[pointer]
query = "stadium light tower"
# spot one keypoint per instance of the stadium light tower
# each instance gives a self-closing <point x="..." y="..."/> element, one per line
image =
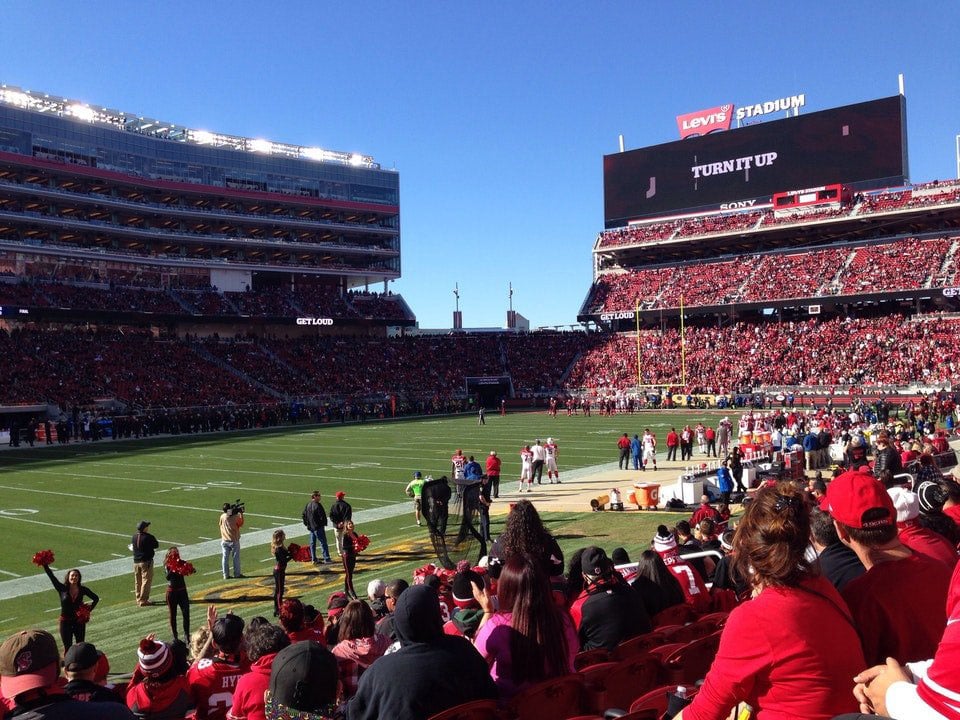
<point x="457" y="316"/>
<point x="958" y="157"/>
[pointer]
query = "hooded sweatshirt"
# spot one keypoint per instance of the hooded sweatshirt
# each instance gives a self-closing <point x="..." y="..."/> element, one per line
<point x="430" y="673"/>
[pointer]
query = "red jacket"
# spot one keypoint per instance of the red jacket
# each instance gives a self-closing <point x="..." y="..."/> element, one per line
<point x="924" y="541"/>
<point x="672" y="439"/>
<point x="789" y="653"/>
<point x="248" y="695"/>
<point x="493" y="465"/>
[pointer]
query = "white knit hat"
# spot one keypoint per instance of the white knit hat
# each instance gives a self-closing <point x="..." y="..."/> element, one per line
<point x="906" y="503"/>
<point x="664" y="542"/>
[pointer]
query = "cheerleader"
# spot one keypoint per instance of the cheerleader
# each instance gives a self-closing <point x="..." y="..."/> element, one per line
<point x="349" y="557"/>
<point x="177" y="597"/>
<point x="281" y="557"/>
<point x="73" y="613"/>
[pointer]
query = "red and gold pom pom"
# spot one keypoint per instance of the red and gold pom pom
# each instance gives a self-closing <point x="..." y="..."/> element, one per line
<point x="299" y="553"/>
<point x="361" y="543"/>
<point x="83" y="614"/>
<point x="178" y="565"/>
<point x="43" y="558"/>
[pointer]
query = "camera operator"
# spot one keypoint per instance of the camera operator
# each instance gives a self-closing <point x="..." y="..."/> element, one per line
<point x="231" y="521"/>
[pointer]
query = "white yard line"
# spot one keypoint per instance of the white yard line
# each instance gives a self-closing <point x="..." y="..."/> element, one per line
<point x="20" y="587"/>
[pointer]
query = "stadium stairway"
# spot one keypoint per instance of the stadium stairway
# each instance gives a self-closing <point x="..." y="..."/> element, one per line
<point x="202" y="352"/>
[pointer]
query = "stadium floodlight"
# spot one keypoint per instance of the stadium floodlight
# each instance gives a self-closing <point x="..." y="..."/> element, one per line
<point x="82" y="112"/>
<point x="314" y="153"/>
<point x="356" y="159"/>
<point x="16" y="98"/>
<point x="261" y="146"/>
<point x="202" y="137"/>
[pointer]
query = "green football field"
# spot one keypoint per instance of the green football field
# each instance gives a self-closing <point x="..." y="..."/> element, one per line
<point x="84" y="502"/>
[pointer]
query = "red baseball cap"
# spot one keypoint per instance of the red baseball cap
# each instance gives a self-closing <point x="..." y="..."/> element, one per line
<point x="851" y="495"/>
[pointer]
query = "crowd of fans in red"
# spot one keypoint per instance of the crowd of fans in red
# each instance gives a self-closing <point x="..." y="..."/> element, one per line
<point x="644" y="234"/>
<point x="76" y="367"/>
<point x="898" y="265"/>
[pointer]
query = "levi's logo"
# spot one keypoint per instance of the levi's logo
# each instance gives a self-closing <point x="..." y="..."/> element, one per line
<point x="705" y="121"/>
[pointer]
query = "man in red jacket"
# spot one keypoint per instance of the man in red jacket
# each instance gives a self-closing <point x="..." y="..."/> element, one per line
<point x="673" y="442"/>
<point x="493" y="473"/>
<point x="624" y="444"/>
<point x="262" y="644"/>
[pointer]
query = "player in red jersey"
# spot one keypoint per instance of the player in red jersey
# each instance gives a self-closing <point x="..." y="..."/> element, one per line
<point x="213" y="680"/>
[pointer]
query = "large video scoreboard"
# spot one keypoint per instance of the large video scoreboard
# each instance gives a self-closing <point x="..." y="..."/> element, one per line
<point x="862" y="146"/>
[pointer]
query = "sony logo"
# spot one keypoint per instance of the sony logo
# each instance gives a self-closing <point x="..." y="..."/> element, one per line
<point x="738" y="204"/>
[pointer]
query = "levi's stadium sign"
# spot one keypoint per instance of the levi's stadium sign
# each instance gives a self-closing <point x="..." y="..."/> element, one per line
<point x="711" y="120"/>
<point x="705" y="121"/>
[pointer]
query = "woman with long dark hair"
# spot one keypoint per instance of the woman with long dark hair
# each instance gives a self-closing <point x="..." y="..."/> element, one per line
<point x="658" y="587"/>
<point x="529" y="638"/>
<point x="768" y="656"/>
<point x="177" y="596"/>
<point x="349" y="557"/>
<point x="73" y="613"/>
<point x="524" y="534"/>
<point x="359" y="644"/>
<point x="281" y="557"/>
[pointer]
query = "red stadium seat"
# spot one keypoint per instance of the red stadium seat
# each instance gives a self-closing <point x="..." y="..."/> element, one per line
<point x="558" y="698"/>
<point x="616" y="685"/>
<point x="676" y="615"/>
<point x="590" y="657"/>
<point x="638" y="645"/>
<point x="690" y="663"/>
<point x="476" y="710"/>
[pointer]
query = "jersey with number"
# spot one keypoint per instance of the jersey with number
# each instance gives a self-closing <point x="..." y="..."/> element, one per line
<point x="694" y="589"/>
<point x="551" y="450"/>
<point x="212" y="682"/>
<point x="526" y="459"/>
<point x="649" y="443"/>
<point x="459" y="462"/>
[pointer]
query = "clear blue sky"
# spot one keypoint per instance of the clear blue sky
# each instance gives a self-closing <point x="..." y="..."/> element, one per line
<point x="496" y="114"/>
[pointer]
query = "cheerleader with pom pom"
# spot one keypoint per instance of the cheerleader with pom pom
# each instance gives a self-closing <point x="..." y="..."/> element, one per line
<point x="281" y="556"/>
<point x="74" y="613"/>
<point x="352" y="544"/>
<point x="177" y="571"/>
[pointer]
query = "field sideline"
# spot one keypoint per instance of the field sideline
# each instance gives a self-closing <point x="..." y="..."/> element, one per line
<point x="84" y="501"/>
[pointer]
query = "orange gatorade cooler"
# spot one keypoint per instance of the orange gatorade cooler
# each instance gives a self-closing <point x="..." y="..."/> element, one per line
<point x="648" y="495"/>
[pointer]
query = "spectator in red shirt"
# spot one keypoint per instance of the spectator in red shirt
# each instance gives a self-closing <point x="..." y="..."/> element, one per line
<point x="769" y="657"/>
<point x="919" y="539"/>
<point x="893" y="619"/>
<point x="493" y="473"/>
<point x="262" y="643"/>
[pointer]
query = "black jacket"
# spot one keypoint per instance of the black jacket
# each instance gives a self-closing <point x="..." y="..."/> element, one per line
<point x="839" y="564"/>
<point x="314" y="516"/>
<point x="430" y="673"/>
<point x="144" y="547"/>
<point x="340" y="512"/>
<point x="611" y="613"/>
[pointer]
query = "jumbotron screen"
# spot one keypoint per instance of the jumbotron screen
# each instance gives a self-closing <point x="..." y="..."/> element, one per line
<point x="862" y="146"/>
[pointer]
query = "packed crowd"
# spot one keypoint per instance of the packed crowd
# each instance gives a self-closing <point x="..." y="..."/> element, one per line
<point x="812" y="273"/>
<point x="886" y="201"/>
<point x="841" y="351"/>
<point x="77" y="367"/>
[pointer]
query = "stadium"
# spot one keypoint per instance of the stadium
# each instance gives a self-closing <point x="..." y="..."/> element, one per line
<point x="186" y="316"/>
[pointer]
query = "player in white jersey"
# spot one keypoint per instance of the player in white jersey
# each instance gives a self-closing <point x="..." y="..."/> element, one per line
<point x="551" y="451"/>
<point x="526" y="468"/>
<point x="649" y="443"/>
